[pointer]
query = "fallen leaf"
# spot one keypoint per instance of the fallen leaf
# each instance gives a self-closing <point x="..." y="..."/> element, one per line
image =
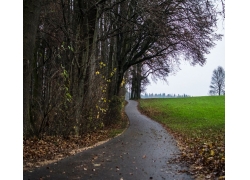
<point x="212" y="152"/>
<point x="222" y="177"/>
<point x="96" y="165"/>
<point x="208" y="176"/>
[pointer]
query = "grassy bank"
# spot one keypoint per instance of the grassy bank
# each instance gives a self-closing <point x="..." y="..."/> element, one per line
<point x="198" y="124"/>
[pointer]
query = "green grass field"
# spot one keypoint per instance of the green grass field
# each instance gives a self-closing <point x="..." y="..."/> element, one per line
<point x="195" y="116"/>
<point x="198" y="123"/>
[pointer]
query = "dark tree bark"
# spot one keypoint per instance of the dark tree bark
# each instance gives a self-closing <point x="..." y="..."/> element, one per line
<point x="31" y="13"/>
<point x="84" y="48"/>
<point x="136" y="81"/>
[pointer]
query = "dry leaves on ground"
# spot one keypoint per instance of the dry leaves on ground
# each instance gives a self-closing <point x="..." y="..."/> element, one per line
<point x="49" y="149"/>
<point x="37" y="152"/>
<point x="205" y="157"/>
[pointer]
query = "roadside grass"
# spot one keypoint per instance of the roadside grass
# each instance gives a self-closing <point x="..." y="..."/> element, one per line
<point x="121" y="125"/>
<point x="114" y="132"/>
<point x="198" y="124"/>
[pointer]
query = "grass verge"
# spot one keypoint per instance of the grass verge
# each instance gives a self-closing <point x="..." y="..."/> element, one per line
<point x="198" y="125"/>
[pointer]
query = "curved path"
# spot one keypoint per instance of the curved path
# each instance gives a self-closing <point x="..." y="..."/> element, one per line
<point x="141" y="152"/>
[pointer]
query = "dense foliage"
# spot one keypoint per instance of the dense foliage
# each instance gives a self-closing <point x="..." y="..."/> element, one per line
<point x="79" y="54"/>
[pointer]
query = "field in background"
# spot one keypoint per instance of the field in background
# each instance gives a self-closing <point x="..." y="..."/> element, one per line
<point x="198" y="124"/>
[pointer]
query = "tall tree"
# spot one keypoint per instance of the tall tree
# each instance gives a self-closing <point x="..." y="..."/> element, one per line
<point x="218" y="82"/>
<point x="31" y="12"/>
<point x="75" y="67"/>
<point x="174" y="30"/>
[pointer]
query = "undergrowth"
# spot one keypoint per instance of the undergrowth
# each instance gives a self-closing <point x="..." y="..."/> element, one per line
<point x="50" y="149"/>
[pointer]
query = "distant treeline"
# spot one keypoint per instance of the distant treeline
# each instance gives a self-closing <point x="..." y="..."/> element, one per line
<point x="163" y="95"/>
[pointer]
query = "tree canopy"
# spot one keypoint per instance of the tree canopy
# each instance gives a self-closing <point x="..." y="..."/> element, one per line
<point x="218" y="82"/>
<point x="78" y="55"/>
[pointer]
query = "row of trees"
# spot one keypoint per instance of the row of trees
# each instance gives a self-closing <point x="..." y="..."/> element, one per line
<point x="79" y="54"/>
<point x="163" y="95"/>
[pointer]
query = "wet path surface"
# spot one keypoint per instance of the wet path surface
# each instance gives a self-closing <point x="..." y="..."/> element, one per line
<point x="141" y="152"/>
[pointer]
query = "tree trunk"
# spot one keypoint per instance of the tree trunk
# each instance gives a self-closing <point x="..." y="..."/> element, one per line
<point x="30" y="23"/>
<point x="136" y="82"/>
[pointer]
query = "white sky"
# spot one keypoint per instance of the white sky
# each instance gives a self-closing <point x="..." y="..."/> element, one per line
<point x="193" y="80"/>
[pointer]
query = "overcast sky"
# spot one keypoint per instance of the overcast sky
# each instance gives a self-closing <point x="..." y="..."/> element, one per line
<point x="193" y="80"/>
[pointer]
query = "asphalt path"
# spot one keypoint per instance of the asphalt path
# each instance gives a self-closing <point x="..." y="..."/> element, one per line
<point x="142" y="152"/>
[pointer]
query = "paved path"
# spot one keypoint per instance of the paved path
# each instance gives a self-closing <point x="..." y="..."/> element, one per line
<point x="140" y="153"/>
